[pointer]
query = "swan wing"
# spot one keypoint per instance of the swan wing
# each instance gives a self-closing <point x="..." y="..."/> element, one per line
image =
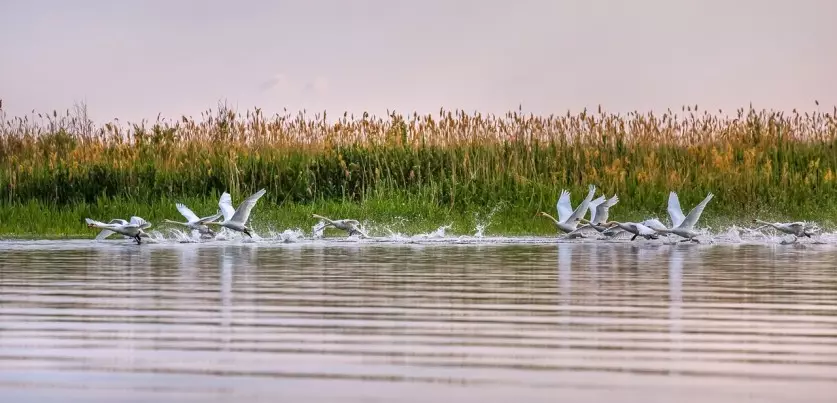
<point x="243" y="212"/>
<point x="644" y="230"/>
<point x="104" y="234"/>
<point x="603" y="210"/>
<point x="139" y="222"/>
<point x="654" y="224"/>
<point x="674" y="210"/>
<point x="118" y="221"/>
<point x="594" y="211"/>
<point x="581" y="210"/>
<point x="225" y="204"/>
<point x="187" y="212"/>
<point x="694" y="215"/>
<point x="210" y="218"/>
<point x="565" y="209"/>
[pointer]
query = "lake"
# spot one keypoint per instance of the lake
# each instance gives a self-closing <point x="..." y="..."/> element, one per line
<point x="325" y="321"/>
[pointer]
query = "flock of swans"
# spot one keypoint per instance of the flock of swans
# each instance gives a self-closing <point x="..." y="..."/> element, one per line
<point x="234" y="219"/>
<point x="570" y="221"/>
<point x="681" y="225"/>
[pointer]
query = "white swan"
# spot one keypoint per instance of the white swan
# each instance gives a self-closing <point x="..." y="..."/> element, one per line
<point x="638" y="229"/>
<point x="567" y="218"/>
<point x="350" y="226"/>
<point x="236" y="219"/>
<point x="132" y="229"/>
<point x="599" y="213"/>
<point x="796" y="229"/>
<point x="193" y="221"/>
<point x="654" y="224"/>
<point x="683" y="225"/>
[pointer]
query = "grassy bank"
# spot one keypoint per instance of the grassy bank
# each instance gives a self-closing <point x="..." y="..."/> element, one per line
<point x="415" y="173"/>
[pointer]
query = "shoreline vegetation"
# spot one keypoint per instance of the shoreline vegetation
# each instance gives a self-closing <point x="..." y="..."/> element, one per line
<point x="415" y="173"/>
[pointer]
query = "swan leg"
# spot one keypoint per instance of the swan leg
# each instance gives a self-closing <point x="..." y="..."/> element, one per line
<point x="634" y="237"/>
<point x="138" y="239"/>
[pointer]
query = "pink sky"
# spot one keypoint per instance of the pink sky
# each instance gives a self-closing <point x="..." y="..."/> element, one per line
<point x="133" y="60"/>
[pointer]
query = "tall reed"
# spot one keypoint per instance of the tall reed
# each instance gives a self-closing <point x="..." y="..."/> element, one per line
<point x="754" y="161"/>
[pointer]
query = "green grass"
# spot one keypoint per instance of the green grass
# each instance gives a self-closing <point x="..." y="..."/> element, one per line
<point x="413" y="174"/>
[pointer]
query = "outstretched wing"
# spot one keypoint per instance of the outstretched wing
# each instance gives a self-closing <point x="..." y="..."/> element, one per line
<point x="644" y="230"/>
<point x="225" y="203"/>
<point x="139" y="222"/>
<point x="603" y="210"/>
<point x="565" y="209"/>
<point x="654" y="224"/>
<point x="118" y="221"/>
<point x="674" y="211"/>
<point x="594" y="213"/>
<point x="104" y="234"/>
<point x="243" y="212"/>
<point x="210" y="218"/>
<point x="581" y="210"/>
<point x="694" y="215"/>
<point x="187" y="212"/>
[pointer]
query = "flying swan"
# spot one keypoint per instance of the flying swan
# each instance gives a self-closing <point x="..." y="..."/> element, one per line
<point x="796" y="229"/>
<point x="567" y="218"/>
<point x="236" y="219"/>
<point x="131" y="229"/>
<point x="683" y="225"/>
<point x="193" y="221"/>
<point x="599" y="213"/>
<point x="638" y="229"/>
<point x="350" y="226"/>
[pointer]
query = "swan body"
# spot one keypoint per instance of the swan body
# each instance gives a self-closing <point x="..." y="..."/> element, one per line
<point x="796" y="229"/>
<point x="568" y="218"/>
<point x="236" y="219"/>
<point x="683" y="225"/>
<point x="132" y="229"/>
<point x="638" y="229"/>
<point x="193" y="221"/>
<point x="350" y="226"/>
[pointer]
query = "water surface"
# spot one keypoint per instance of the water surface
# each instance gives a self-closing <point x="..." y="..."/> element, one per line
<point x="325" y="322"/>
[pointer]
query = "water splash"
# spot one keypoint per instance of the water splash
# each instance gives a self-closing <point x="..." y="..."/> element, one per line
<point x="291" y="236"/>
<point x="482" y="224"/>
<point x="318" y="229"/>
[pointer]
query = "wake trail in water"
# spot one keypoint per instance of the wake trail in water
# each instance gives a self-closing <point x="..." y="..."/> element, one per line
<point x="444" y="235"/>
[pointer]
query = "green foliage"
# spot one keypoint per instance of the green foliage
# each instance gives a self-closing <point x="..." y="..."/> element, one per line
<point x="55" y="172"/>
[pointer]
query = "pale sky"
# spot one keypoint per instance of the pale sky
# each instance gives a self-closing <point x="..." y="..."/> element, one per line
<point x="134" y="59"/>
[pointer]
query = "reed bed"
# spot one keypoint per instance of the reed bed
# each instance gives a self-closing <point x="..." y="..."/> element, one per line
<point x="447" y="165"/>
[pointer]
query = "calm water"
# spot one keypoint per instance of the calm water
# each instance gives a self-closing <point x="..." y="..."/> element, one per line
<point x="231" y="322"/>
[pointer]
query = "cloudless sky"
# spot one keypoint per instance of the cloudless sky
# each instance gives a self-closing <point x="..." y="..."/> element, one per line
<point x="134" y="59"/>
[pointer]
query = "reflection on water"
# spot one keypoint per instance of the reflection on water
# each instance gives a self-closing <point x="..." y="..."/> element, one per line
<point x="609" y="322"/>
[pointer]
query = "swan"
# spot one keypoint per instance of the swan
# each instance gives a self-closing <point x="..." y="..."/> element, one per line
<point x="796" y="229"/>
<point x="236" y="219"/>
<point x="567" y="218"/>
<point x="193" y="221"/>
<point x="654" y="224"/>
<point x="599" y="212"/>
<point x="132" y="229"/>
<point x="350" y="226"/>
<point x="638" y="229"/>
<point x="683" y="225"/>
